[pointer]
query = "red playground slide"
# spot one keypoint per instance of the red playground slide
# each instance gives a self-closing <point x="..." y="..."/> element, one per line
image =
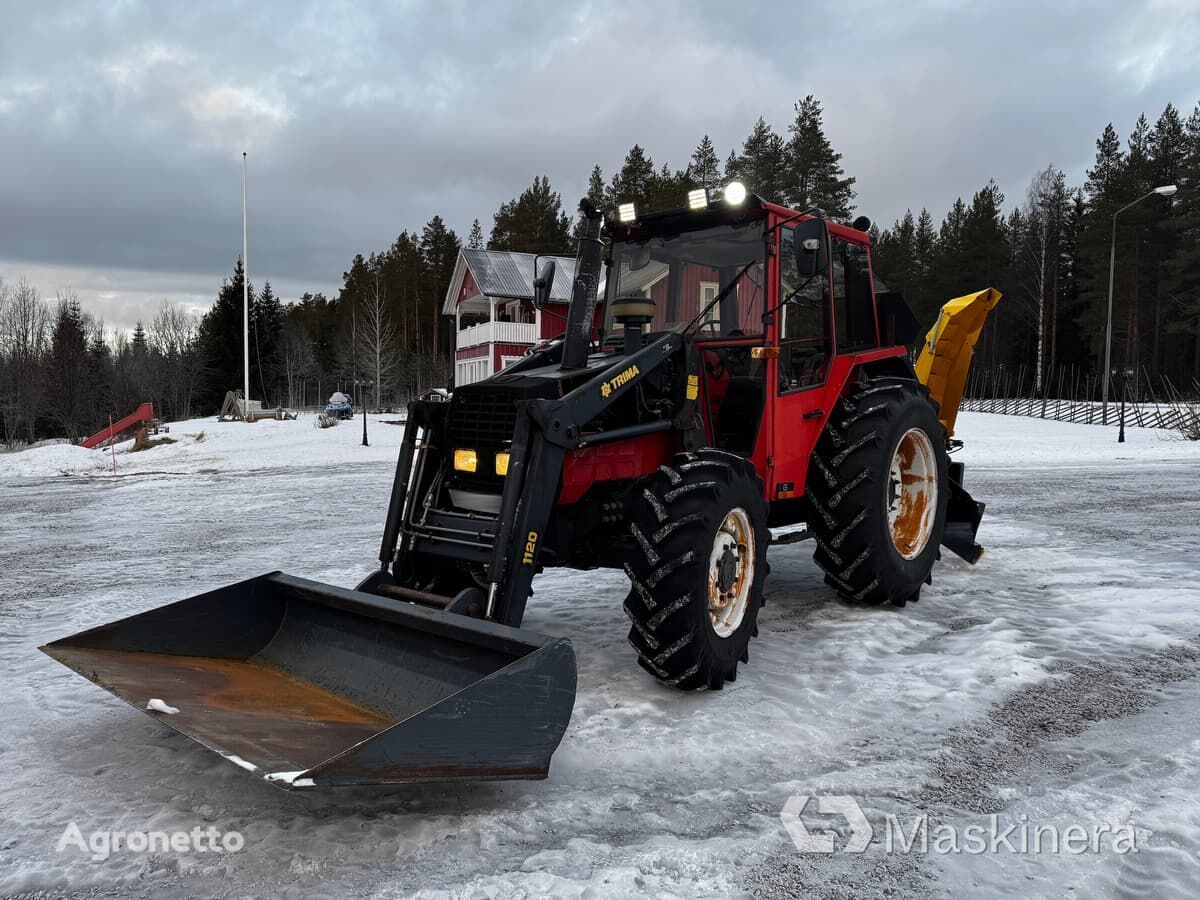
<point x="141" y="414"/>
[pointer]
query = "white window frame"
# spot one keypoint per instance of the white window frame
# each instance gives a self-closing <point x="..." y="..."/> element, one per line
<point x="714" y="314"/>
<point x="471" y="370"/>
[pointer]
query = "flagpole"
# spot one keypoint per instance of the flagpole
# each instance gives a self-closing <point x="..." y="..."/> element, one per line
<point x="245" y="302"/>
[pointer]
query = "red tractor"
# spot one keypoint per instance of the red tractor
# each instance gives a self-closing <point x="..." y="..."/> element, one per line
<point x="745" y="375"/>
<point x="742" y="373"/>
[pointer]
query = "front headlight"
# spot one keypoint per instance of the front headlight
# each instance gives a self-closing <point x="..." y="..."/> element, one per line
<point x="501" y="464"/>
<point x="465" y="461"/>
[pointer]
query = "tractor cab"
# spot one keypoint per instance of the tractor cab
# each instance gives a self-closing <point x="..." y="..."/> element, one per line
<point x="705" y="275"/>
<point x="771" y="299"/>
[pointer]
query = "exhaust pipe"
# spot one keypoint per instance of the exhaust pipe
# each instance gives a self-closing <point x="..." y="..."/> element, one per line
<point x="581" y="315"/>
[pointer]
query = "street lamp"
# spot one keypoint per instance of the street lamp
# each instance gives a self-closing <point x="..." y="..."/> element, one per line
<point x="362" y="393"/>
<point x="1166" y="190"/>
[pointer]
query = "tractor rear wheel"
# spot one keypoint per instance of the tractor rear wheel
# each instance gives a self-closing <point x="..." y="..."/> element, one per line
<point x="878" y="485"/>
<point x="698" y="571"/>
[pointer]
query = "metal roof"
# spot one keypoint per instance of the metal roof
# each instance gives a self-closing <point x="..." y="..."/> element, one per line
<point x="507" y="273"/>
<point x="510" y="274"/>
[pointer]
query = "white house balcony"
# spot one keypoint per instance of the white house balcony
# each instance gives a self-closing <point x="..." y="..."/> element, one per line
<point x="498" y="332"/>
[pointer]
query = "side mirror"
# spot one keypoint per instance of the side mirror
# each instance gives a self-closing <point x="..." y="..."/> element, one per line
<point x="811" y="244"/>
<point x="543" y="284"/>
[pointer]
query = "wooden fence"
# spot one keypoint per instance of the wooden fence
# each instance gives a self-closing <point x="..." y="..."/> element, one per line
<point x="1070" y="395"/>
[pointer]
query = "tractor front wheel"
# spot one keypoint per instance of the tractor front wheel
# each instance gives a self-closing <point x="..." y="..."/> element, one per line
<point x="698" y="569"/>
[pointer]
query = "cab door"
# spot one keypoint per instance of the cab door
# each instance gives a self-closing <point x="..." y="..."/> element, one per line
<point x="806" y="347"/>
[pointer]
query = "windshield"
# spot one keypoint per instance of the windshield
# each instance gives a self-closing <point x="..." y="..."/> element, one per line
<point x="682" y="273"/>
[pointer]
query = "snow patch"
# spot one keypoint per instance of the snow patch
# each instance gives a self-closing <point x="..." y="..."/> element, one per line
<point x="238" y="761"/>
<point x="292" y="778"/>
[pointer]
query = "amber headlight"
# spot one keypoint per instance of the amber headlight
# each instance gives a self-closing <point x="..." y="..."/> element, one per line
<point x="465" y="461"/>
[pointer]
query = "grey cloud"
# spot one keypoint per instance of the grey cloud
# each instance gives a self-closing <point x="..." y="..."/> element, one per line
<point x="121" y="127"/>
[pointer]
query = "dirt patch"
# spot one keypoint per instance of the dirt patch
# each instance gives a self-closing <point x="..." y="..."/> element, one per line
<point x="144" y="442"/>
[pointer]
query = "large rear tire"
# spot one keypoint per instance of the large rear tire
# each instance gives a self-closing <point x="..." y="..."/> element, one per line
<point x="878" y="485"/>
<point x="698" y="571"/>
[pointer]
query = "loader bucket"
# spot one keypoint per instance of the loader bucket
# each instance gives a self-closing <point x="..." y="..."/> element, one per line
<point x="310" y="685"/>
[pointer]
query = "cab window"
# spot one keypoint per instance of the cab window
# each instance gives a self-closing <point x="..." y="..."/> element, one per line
<point x="805" y="327"/>
<point x="853" y="297"/>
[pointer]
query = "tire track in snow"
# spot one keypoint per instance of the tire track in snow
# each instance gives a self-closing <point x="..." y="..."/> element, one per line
<point x="976" y="759"/>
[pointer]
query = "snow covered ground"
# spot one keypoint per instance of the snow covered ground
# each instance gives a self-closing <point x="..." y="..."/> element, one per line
<point x="1055" y="683"/>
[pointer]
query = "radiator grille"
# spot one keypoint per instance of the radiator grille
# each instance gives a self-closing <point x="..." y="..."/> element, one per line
<point x="481" y="418"/>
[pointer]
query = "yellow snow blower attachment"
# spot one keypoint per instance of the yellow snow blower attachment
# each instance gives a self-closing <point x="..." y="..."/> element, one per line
<point x="946" y="353"/>
<point x="942" y="366"/>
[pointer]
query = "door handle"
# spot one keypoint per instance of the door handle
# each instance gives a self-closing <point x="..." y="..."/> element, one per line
<point x="814" y="414"/>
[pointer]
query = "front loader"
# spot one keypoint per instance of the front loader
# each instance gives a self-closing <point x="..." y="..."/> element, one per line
<point x="742" y="373"/>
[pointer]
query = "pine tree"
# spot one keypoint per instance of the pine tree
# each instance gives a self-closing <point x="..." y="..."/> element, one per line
<point x="761" y="165"/>
<point x="98" y="375"/>
<point x="221" y="342"/>
<point x="533" y="222"/>
<point x="475" y="237"/>
<point x="1108" y="166"/>
<point x="704" y="166"/>
<point x="595" y="188"/>
<point x="1167" y="150"/>
<point x="318" y="315"/>
<point x="814" y="171"/>
<point x="266" y="325"/>
<point x="1182" y="267"/>
<point x="984" y="243"/>
<point x="1136" y="274"/>
<point x="894" y="256"/>
<point x="1102" y="192"/>
<point x="947" y="262"/>
<point x="922" y="296"/>
<point x="669" y="189"/>
<point x="439" y="253"/>
<point x="139" y="364"/>
<point x="597" y="193"/>
<point x="139" y="342"/>
<point x="634" y="182"/>
<point x="66" y="364"/>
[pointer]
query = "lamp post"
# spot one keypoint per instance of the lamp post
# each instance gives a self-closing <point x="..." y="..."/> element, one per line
<point x="1125" y="373"/>
<point x="1166" y="190"/>
<point x="362" y="394"/>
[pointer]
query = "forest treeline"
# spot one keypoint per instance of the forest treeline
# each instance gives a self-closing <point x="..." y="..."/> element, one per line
<point x="1046" y="247"/>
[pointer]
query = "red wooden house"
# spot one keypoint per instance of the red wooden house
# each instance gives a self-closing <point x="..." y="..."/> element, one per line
<point x="491" y="299"/>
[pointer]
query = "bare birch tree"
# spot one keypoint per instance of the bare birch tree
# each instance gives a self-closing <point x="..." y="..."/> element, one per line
<point x="173" y="335"/>
<point x="377" y="342"/>
<point x="1044" y="222"/>
<point x="24" y="338"/>
<point x="298" y="360"/>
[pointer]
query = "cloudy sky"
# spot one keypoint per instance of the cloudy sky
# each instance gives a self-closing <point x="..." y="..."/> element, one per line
<point x="122" y="124"/>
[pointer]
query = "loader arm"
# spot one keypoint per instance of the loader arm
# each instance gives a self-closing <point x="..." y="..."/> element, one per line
<point x="546" y="430"/>
<point x="510" y="543"/>
<point x="946" y="353"/>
